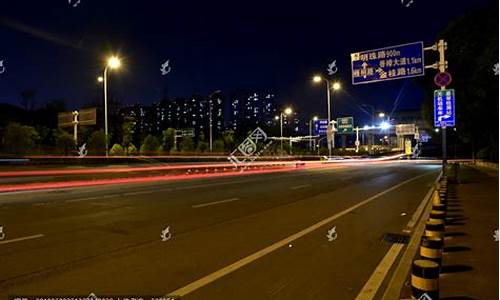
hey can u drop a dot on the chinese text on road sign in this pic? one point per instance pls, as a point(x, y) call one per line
point(320, 127)
point(345, 125)
point(388, 63)
point(444, 108)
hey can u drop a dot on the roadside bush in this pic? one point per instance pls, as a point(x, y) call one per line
point(97, 142)
point(150, 145)
point(117, 150)
point(64, 141)
point(20, 138)
point(132, 150)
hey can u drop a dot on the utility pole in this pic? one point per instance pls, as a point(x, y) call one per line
point(441, 65)
point(357, 140)
point(75, 126)
point(210, 117)
point(442, 46)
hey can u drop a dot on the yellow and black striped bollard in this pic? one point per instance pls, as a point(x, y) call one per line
point(439, 207)
point(431, 248)
point(425, 279)
point(437, 215)
point(434, 228)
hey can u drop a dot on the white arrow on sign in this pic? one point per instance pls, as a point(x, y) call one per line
point(364, 65)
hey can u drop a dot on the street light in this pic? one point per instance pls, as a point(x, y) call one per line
point(112, 63)
point(285, 112)
point(336, 86)
point(384, 125)
point(381, 114)
point(100, 79)
point(314, 119)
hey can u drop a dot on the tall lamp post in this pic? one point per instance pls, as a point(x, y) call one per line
point(314, 119)
point(286, 112)
point(113, 63)
point(335, 86)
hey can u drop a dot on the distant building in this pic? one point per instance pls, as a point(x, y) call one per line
point(253, 109)
point(177, 113)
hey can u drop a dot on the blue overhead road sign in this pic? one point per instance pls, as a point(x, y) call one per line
point(320, 127)
point(396, 62)
point(444, 108)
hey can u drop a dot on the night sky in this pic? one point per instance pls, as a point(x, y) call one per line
point(59, 50)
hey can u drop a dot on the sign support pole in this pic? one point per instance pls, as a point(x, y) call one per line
point(357, 139)
point(75, 126)
point(442, 45)
point(330, 127)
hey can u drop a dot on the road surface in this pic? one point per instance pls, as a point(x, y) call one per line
point(239, 237)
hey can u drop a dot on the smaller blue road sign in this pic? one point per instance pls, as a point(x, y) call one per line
point(444, 108)
point(396, 62)
point(320, 127)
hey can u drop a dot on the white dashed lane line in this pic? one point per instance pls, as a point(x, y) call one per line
point(300, 186)
point(215, 203)
point(21, 239)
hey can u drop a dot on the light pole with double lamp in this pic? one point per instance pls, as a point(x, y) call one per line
point(329, 87)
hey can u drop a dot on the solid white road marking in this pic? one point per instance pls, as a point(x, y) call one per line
point(22, 239)
point(373, 284)
point(299, 186)
point(246, 260)
point(371, 287)
point(403, 268)
point(92, 198)
point(215, 203)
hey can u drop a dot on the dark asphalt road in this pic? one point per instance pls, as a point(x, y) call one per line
point(106, 240)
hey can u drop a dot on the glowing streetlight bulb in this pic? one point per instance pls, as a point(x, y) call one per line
point(114, 62)
point(317, 78)
point(315, 118)
point(100, 79)
point(381, 115)
point(336, 86)
point(384, 125)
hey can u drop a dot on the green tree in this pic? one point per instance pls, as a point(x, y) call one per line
point(20, 138)
point(117, 150)
point(132, 149)
point(127, 133)
point(202, 144)
point(64, 141)
point(218, 145)
point(168, 139)
point(228, 138)
point(97, 142)
point(187, 144)
point(150, 145)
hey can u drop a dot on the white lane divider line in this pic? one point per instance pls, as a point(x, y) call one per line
point(215, 203)
point(21, 239)
point(300, 186)
point(286, 241)
point(146, 192)
point(91, 198)
point(373, 284)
